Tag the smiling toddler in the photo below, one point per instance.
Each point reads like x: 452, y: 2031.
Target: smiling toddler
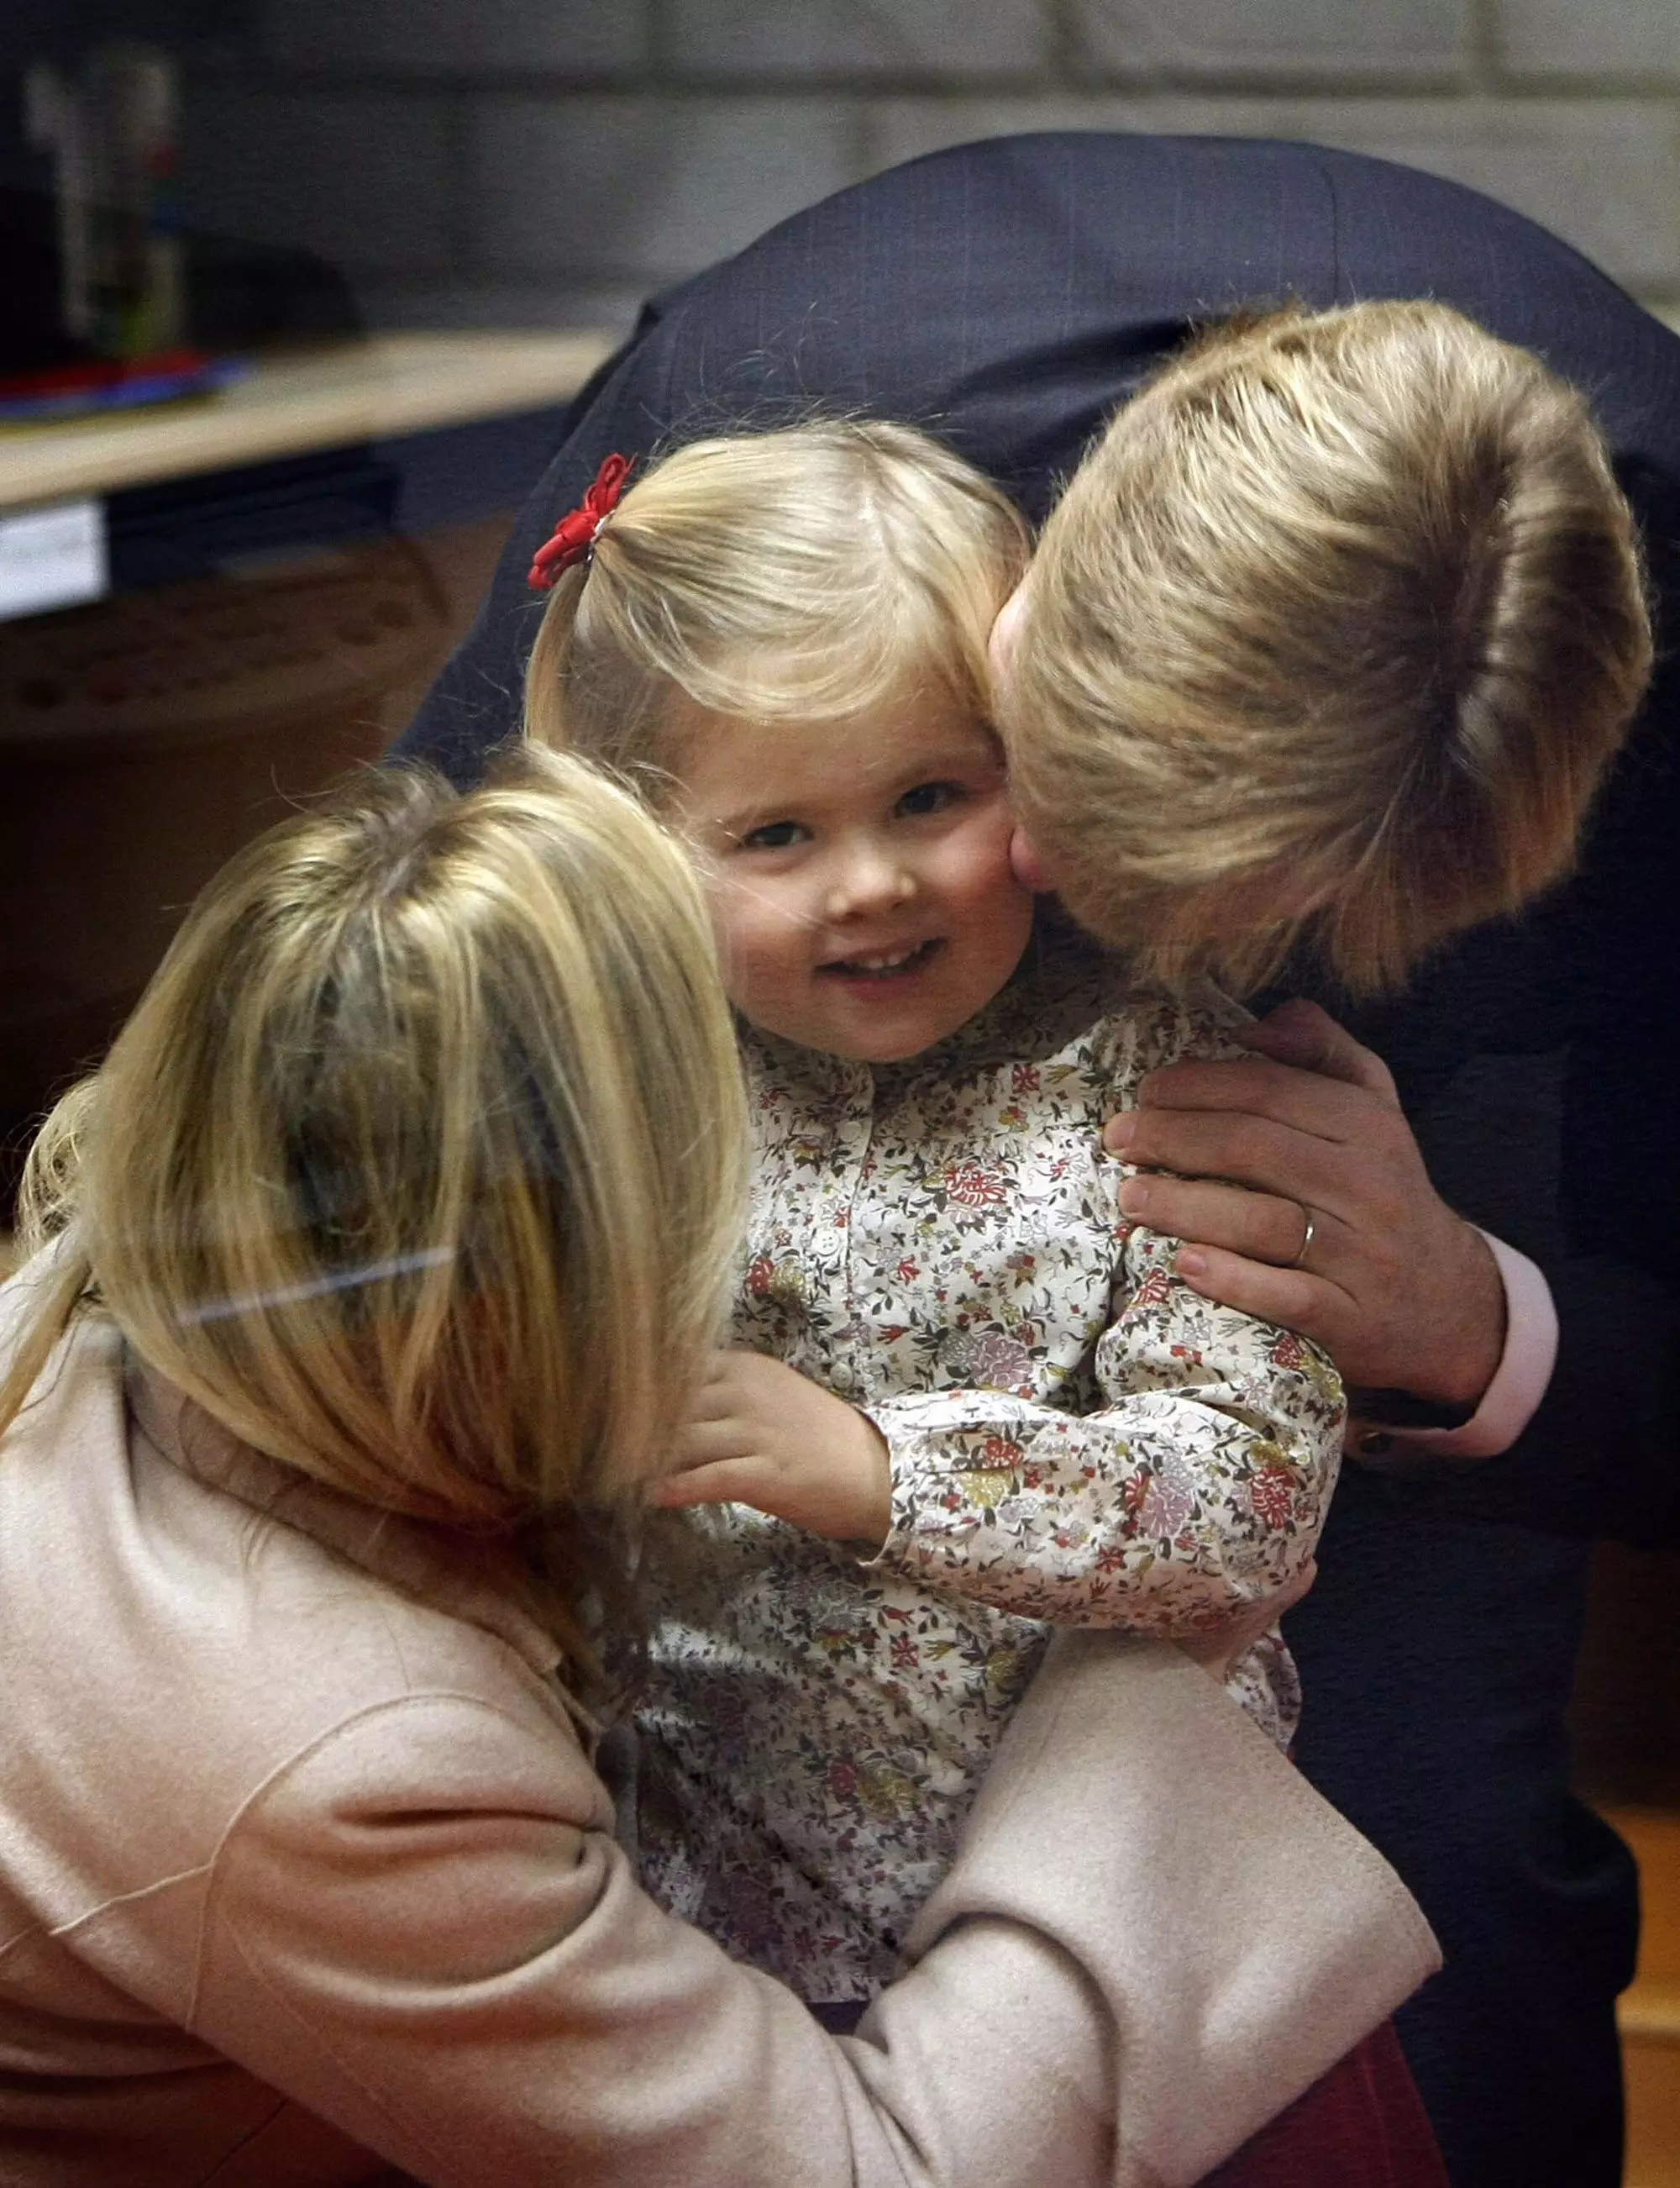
x: 966, y: 1400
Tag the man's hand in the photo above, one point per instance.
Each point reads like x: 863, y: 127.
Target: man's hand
x: 759, y: 1433
x: 1400, y: 1292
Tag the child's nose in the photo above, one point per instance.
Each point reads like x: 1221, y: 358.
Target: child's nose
x: 870, y: 878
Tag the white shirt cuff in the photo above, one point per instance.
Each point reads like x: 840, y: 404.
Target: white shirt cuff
x: 1511, y: 1398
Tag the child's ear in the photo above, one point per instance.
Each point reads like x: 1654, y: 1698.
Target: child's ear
x: 1025, y: 865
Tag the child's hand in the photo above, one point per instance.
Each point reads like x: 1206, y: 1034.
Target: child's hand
x: 760, y: 1433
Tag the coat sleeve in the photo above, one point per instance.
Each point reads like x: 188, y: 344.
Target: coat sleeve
x: 421, y: 1932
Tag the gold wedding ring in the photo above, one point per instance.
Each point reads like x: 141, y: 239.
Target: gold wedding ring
x: 1307, y: 1237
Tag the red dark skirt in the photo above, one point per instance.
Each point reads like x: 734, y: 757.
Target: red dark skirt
x: 1362, y: 2126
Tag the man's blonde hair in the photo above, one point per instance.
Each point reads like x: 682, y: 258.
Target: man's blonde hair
x: 804, y: 575
x: 420, y: 1165
x: 1343, y: 616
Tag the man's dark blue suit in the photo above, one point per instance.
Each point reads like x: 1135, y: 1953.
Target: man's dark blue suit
x: 1007, y: 296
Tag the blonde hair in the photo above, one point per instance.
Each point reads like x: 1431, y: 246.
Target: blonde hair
x: 1343, y: 616
x: 420, y: 1165
x: 811, y: 573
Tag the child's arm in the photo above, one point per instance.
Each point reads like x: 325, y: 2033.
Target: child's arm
x: 1200, y: 1484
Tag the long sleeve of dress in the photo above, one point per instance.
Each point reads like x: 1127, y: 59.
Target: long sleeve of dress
x: 1182, y: 1467
x: 1200, y: 1485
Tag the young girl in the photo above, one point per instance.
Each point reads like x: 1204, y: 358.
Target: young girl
x: 969, y: 1400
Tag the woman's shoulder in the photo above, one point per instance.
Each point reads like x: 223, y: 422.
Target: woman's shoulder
x: 175, y: 1649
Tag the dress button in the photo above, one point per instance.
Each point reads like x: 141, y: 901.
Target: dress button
x: 1377, y: 1443
x: 841, y: 1378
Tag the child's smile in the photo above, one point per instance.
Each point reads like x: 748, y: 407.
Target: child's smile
x: 859, y: 872
x: 884, y: 967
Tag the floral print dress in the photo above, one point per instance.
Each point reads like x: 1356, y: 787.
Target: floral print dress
x: 1076, y: 1438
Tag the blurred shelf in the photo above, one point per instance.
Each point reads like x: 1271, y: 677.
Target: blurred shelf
x: 387, y: 387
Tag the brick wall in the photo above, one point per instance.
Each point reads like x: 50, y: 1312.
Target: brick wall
x: 545, y: 160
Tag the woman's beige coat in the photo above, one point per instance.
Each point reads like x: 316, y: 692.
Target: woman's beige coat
x: 306, y: 1879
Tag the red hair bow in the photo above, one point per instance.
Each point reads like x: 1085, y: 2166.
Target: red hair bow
x: 578, y: 529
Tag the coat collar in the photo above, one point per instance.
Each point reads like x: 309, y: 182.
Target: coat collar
x: 481, y: 1582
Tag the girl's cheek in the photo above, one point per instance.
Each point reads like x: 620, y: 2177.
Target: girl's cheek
x: 982, y: 852
x: 741, y: 976
x: 732, y: 930
x: 755, y: 926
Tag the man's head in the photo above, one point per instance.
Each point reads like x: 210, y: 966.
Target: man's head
x: 1334, y: 631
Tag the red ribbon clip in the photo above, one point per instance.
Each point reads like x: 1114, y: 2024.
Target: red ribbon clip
x: 578, y: 529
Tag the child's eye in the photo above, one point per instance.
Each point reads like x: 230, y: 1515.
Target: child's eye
x: 774, y: 836
x: 927, y: 798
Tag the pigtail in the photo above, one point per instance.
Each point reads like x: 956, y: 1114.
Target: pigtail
x: 548, y: 668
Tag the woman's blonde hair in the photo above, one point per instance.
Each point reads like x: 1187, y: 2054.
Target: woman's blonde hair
x: 1334, y: 631
x: 811, y: 573
x: 420, y: 1165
